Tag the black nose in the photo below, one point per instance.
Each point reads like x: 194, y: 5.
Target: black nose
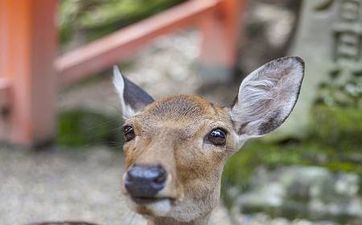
x: 145, y: 181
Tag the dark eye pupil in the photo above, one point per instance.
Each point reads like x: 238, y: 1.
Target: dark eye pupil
x: 128, y: 133
x: 217, y: 137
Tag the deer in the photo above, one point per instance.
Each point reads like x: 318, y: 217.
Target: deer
x: 175, y: 147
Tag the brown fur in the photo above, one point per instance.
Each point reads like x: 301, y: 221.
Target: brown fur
x: 171, y: 132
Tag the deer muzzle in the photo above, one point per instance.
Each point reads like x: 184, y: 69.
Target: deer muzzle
x: 144, y: 182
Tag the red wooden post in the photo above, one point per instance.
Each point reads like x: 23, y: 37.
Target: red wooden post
x: 220, y: 36
x: 27, y: 51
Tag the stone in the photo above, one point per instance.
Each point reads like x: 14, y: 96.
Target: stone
x: 307, y: 191
x: 329, y: 39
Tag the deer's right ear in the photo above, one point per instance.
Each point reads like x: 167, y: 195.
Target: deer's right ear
x: 133, y: 98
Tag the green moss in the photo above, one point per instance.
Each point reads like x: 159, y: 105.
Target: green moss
x: 343, y: 167
x: 123, y: 12
x: 80, y: 128
x: 337, y: 126
x: 240, y: 167
x: 92, y: 19
x: 256, y: 153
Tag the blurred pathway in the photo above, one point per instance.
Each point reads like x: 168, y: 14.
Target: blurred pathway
x: 59, y: 185
x: 62, y: 185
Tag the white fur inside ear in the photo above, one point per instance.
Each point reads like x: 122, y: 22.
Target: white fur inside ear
x: 118, y: 82
x: 267, y: 96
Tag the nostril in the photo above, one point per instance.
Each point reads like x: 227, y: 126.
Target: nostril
x: 161, y: 176
x: 160, y: 179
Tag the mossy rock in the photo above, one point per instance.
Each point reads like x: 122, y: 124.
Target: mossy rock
x: 80, y: 128
x: 334, y: 142
x: 255, y: 153
x: 337, y: 126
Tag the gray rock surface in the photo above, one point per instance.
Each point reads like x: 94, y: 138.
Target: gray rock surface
x: 263, y: 219
x: 329, y: 39
x: 268, y: 28
x: 312, y: 192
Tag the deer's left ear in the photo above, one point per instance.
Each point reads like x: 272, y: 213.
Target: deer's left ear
x: 132, y: 97
x: 267, y: 96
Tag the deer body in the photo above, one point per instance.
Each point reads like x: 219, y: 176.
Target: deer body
x: 176, y: 147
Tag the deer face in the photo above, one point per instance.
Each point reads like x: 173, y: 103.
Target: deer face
x: 175, y: 155
x: 175, y: 148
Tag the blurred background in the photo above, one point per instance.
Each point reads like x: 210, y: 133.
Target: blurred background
x: 61, y: 145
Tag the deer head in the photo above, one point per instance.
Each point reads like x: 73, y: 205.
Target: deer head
x: 176, y: 147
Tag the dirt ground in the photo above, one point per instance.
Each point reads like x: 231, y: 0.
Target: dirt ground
x: 64, y: 184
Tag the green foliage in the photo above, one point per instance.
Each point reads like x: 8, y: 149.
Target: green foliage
x: 90, y: 19
x: 337, y: 126
x: 81, y: 128
x: 255, y: 153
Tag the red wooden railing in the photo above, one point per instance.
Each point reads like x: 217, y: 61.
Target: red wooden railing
x: 28, y: 66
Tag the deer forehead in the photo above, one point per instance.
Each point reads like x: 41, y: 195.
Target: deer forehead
x: 181, y: 113
x: 181, y: 107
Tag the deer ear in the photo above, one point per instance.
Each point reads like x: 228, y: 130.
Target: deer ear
x: 133, y: 99
x: 267, y: 96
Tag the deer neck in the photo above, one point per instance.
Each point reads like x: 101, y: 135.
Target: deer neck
x: 169, y: 221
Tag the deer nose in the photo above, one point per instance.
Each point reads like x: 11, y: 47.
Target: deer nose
x: 145, y: 181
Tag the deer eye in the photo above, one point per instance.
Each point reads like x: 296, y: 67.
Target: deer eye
x: 128, y: 133
x: 217, y: 137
